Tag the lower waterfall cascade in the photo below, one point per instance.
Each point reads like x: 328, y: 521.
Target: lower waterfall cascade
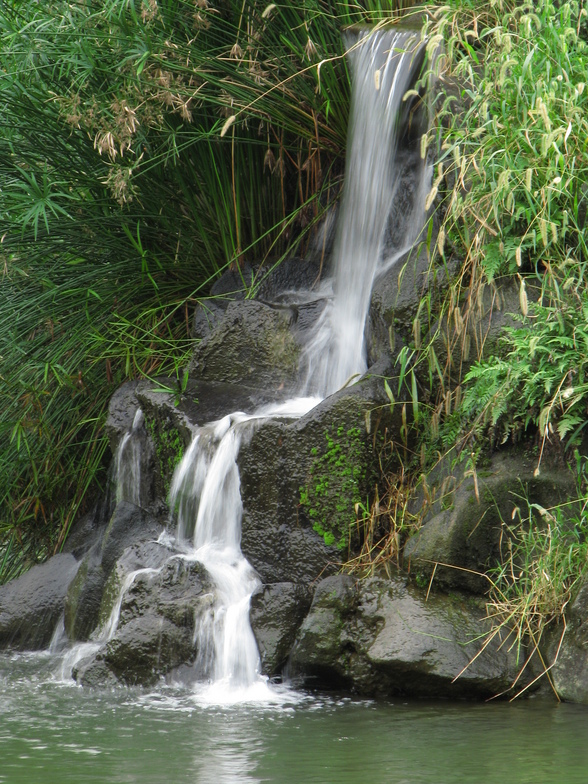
x: 205, y: 499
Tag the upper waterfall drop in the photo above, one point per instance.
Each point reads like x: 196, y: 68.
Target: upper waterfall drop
x: 385, y: 65
x: 128, y: 463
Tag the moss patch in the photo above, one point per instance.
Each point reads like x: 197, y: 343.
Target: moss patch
x: 334, y: 487
x: 169, y: 449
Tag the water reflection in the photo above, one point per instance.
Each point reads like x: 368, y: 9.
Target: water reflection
x: 64, y: 734
x: 229, y: 750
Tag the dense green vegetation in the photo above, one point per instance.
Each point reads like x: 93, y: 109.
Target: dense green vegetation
x: 512, y: 174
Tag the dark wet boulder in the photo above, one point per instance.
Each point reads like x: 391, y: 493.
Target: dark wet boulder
x: 276, y: 614
x: 94, y: 673
x: 232, y: 285
x: 396, y: 298
x: 301, y: 480
x: 565, y: 650
x: 383, y: 638
x: 31, y: 605
x: 465, y: 518
x: 292, y: 274
x: 323, y: 654
x: 270, y: 285
x: 253, y: 345
x: 121, y: 412
x: 164, y: 598
x: 146, y: 648
x: 474, y: 330
x: 129, y: 524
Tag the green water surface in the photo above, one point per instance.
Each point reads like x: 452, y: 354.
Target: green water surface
x: 53, y: 733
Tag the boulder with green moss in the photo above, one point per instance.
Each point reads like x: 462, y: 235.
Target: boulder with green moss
x: 466, y: 512
x: 301, y: 482
x: 380, y: 637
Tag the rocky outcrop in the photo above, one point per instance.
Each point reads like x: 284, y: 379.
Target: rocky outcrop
x: 159, y: 611
x: 466, y: 514
x: 565, y: 651
x: 129, y: 524
x: 301, y: 480
x: 253, y: 346
x: 277, y: 611
x: 382, y: 638
x: 31, y: 606
x: 396, y: 297
x: 138, y: 604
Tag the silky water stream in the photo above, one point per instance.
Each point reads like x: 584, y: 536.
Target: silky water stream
x: 206, y: 489
x: 53, y: 731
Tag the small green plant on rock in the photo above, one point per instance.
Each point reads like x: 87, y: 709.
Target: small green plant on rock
x: 169, y: 449
x: 334, y: 488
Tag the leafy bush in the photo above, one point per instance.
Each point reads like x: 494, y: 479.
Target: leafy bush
x: 541, y: 379
x: 516, y: 153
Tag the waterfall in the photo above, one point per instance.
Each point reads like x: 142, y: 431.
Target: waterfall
x: 205, y: 499
x: 128, y: 462
x: 383, y: 69
x: 205, y: 493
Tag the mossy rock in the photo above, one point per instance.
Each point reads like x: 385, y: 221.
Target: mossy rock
x: 253, y: 345
x: 279, y: 458
x: 384, y: 638
x: 465, y: 519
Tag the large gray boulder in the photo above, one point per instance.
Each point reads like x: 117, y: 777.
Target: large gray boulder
x: 253, y: 346
x: 300, y: 482
x: 383, y: 638
x: 466, y: 518
x: 473, y: 330
x: 129, y: 524
x: 565, y: 651
x: 161, y: 604
x: 31, y: 605
x: 397, y: 295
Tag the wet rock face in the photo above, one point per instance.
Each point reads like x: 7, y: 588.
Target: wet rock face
x: 565, y: 650
x: 277, y: 611
x: 300, y: 482
x: 465, y: 520
x: 395, y: 300
x: 129, y: 524
x: 31, y: 605
x: 382, y: 638
x: 158, y: 616
x: 253, y: 345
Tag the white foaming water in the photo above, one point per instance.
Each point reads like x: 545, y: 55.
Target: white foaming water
x: 206, y: 494
x: 128, y: 463
x: 380, y: 63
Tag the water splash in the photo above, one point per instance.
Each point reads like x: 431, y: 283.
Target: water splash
x: 206, y: 495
